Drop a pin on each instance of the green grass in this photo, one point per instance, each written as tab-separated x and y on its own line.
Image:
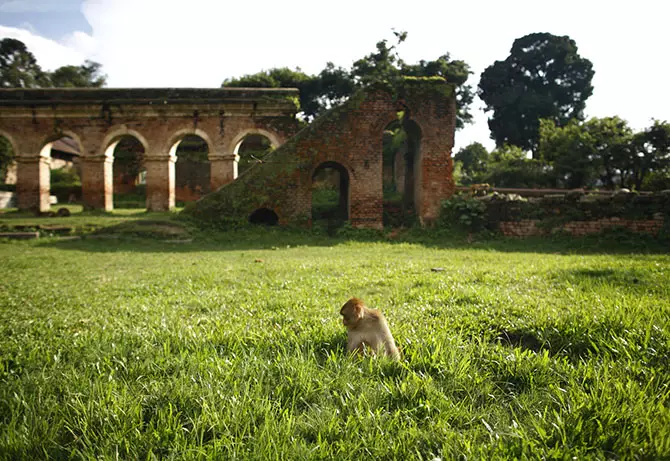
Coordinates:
231	347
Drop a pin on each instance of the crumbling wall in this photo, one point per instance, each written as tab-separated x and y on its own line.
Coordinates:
350	135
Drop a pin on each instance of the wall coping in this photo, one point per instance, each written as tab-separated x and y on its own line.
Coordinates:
12	97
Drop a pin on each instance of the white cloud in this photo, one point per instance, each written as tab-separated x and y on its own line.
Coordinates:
49	54
198	43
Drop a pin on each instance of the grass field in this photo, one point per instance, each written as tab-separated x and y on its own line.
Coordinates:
230	346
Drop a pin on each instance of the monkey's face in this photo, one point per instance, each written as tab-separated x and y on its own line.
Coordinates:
351	313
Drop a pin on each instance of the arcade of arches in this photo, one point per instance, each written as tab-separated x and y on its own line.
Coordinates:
181	142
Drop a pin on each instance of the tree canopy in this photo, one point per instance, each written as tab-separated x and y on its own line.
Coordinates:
543	78
18	66
334	85
19	69
87	75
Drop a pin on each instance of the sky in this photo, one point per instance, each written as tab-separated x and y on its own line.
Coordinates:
199	43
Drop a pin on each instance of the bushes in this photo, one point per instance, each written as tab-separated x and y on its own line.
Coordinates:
462	212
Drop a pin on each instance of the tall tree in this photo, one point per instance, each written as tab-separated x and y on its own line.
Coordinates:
570	151
88	75
474	159
543	78
18	66
650	153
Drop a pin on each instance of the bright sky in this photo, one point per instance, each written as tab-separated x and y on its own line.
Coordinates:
199	43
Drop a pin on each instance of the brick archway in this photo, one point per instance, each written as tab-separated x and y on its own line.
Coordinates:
340	211
96	118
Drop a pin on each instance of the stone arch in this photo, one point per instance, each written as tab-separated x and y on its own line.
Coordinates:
11	141
190	149
114	136
45	144
179	135
264	215
334	209
60	172
237	140
401	169
125	175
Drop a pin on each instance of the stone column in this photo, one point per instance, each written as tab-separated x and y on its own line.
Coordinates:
160	182
33	182
223	169
97	182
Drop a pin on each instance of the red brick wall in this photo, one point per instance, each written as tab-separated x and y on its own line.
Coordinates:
529	227
352	136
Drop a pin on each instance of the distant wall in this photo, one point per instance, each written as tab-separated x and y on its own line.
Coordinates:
577	213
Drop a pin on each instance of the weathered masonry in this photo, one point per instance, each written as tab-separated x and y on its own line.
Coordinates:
348	139
96	119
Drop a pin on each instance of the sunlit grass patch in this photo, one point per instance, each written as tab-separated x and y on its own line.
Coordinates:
231	347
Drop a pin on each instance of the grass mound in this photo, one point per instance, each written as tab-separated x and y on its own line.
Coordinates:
146	228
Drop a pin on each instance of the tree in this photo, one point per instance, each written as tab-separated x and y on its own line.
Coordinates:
610	140
6	157
19	69
18	66
650	153
543	78
88	75
334	85
570	151
282	77
474	159
595	152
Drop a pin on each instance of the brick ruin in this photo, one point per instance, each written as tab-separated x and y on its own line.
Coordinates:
278	188
348	138
159	119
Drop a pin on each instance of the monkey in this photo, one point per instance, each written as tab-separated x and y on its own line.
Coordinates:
367	326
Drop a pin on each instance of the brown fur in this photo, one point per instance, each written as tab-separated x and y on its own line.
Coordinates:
367	327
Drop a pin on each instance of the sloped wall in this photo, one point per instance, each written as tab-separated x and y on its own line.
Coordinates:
351	136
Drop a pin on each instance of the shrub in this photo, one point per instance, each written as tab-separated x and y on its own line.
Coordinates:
462	212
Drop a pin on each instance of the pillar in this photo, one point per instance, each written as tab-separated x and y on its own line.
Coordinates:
33	182
223	169
97	186
160	182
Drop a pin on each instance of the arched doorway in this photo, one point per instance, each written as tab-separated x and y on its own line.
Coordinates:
8	174
64	179
251	149
401	152
128	172
330	195
264	216
7	162
192	169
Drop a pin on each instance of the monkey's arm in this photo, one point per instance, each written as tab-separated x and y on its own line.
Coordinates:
355	347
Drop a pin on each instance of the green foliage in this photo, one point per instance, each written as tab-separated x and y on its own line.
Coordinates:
334	85
282	77
657	181
7	156
650	152
65	176
474	159
543	78
88	75
462	212
19	69
136	199
604	151
541	349
18	66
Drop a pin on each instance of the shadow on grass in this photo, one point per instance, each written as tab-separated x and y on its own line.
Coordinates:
177	236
